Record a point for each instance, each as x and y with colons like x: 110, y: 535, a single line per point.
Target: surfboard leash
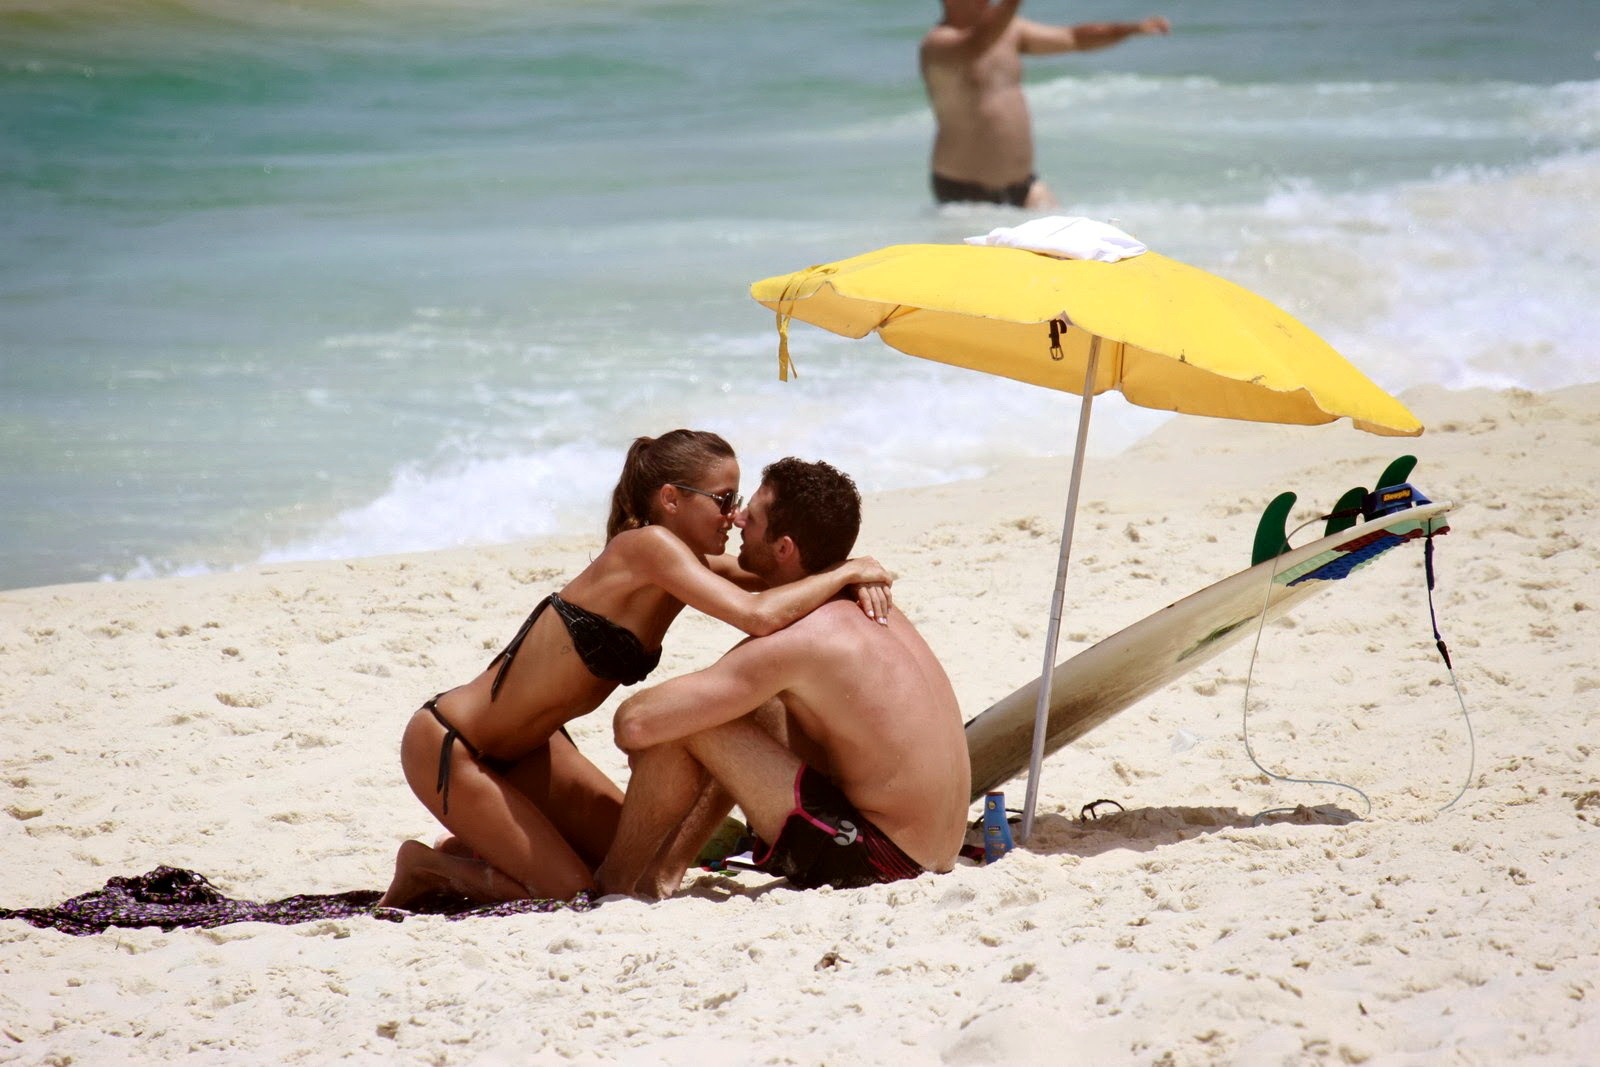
x: 1249, y: 675
x: 1439, y: 643
x: 1444, y: 654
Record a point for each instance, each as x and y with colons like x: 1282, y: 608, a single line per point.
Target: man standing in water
x: 839, y: 737
x: 972, y: 67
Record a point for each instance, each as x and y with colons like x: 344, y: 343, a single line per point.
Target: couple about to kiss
x: 831, y: 725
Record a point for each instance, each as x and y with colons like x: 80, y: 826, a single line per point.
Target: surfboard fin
x: 1395, y: 473
x: 1271, y: 536
x: 1347, y: 512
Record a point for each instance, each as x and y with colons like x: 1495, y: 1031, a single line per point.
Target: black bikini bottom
x: 451, y: 736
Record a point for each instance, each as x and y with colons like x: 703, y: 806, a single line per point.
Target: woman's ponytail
x: 630, y: 500
x: 676, y: 456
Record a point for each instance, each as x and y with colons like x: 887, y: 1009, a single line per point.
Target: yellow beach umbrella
x: 1166, y: 335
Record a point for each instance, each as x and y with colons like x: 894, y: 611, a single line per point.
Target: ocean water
x: 313, y: 280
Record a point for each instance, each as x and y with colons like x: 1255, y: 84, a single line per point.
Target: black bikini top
x: 611, y: 652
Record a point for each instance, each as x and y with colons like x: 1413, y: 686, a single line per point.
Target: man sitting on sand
x: 839, y: 737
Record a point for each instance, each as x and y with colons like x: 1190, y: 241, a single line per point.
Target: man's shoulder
x: 839, y: 615
x: 836, y: 617
x: 842, y: 624
x: 814, y: 643
x: 840, y: 609
x: 838, y: 627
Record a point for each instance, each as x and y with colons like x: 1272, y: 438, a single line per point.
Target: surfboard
x: 1101, y: 681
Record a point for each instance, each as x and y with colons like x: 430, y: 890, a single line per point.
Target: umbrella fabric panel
x: 1185, y: 340
x: 1022, y: 352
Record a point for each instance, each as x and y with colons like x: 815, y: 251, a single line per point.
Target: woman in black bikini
x: 529, y: 815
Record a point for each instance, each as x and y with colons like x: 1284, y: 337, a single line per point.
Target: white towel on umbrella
x: 1066, y: 237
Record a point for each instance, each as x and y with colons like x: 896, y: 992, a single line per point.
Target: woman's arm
x: 874, y: 598
x: 659, y: 557
x: 728, y: 567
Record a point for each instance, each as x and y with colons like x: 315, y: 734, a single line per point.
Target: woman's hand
x: 875, y: 600
x: 871, y: 583
x: 864, y: 570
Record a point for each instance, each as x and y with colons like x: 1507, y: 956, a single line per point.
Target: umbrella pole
x: 1041, y: 714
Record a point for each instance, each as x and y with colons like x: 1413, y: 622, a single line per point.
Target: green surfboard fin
x: 1271, y: 540
x: 1396, y: 473
x: 1347, y: 512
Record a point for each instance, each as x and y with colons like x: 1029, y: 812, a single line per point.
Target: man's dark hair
x: 818, y: 506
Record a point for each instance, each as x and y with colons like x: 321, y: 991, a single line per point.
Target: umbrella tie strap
x: 785, y: 364
x: 786, y: 302
x: 1056, y: 327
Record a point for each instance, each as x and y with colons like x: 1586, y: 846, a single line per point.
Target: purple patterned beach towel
x: 171, y: 897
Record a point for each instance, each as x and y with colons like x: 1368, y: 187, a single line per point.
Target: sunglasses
x: 727, y: 502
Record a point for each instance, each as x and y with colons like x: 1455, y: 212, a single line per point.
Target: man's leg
x: 673, y: 805
x: 663, y: 790
x: 665, y: 874
x: 756, y: 770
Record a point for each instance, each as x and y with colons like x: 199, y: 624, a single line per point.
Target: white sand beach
x: 246, y: 726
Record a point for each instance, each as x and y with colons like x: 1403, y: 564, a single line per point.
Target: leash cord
x: 1444, y: 654
x: 1266, y: 601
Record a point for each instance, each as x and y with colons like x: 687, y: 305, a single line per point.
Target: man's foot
x: 608, y: 884
x: 663, y: 886
x: 646, y: 885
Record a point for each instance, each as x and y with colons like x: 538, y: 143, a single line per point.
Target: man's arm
x: 1040, y: 39
x: 749, y: 675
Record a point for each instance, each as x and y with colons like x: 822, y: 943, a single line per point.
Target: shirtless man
x: 972, y: 67
x: 839, y: 737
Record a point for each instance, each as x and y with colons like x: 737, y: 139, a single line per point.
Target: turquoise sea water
x: 309, y: 280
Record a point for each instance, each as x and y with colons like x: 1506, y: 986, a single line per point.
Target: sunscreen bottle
x: 996, y: 830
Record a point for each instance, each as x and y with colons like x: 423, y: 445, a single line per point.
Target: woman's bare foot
x: 451, y: 845
x: 411, y: 880
x: 420, y: 871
